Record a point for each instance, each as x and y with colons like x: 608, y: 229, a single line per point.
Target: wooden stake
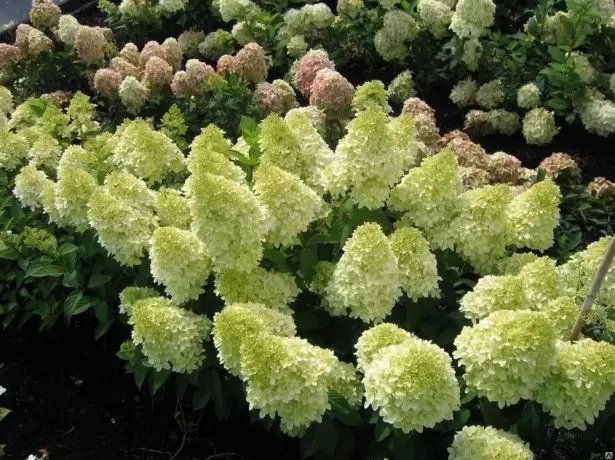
x: 593, y: 290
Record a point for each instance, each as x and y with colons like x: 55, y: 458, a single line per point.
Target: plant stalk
x: 605, y: 263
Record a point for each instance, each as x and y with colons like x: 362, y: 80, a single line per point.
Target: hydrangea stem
x: 605, y: 263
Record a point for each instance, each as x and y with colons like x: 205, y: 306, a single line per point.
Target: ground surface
x: 70, y: 396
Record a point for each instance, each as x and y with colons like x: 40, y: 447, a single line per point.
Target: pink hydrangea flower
x: 307, y: 68
x: 107, y: 82
x: 331, y: 92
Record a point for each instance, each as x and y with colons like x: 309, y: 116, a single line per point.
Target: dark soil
x: 70, y: 397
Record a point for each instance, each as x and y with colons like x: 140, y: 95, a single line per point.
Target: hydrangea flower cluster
x: 534, y: 214
x: 107, y: 82
x: 44, y: 14
x: 539, y: 126
x: 171, y: 337
x: 366, y: 280
x: 90, y: 44
x: 472, y: 18
x: 463, y: 93
x: 281, y: 147
x: 239, y: 323
x: 560, y: 164
x: 482, y: 229
x: 401, y: 87
x: 398, y: 28
x: 411, y: 384
x: 598, y: 116
x: 179, y: 263
x: 217, y: 44
x: 133, y: 94
x: 122, y: 214
x: 249, y: 63
x: 292, y: 205
x: 278, y: 97
x: 507, y: 355
x: 601, y: 187
x: 493, y: 293
x: 332, y: 93
x: 435, y: 15
x: 145, y: 152
x: 274, y: 289
x: 289, y: 377
x: 429, y: 194
x: 371, y: 93
x: 307, y: 68
x: 581, y: 384
x: 133, y: 294
x: 490, y: 95
x: 308, y: 18
x: 528, y: 96
x: 228, y: 219
x: 172, y: 209
x: 417, y: 265
x: 485, y: 443
x: 367, y: 161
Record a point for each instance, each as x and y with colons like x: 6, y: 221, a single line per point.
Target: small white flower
x: 2, y: 389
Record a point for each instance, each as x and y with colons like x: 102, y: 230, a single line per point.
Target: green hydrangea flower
x: 488, y: 443
x: 171, y: 337
x: 366, y: 280
x: 507, y: 355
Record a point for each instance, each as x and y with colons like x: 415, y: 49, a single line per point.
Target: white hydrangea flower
x: 581, y: 383
x: 418, y: 266
x: 273, y: 289
x: 366, y: 280
x: 528, y: 96
x: 472, y: 17
x: 539, y: 126
x: 507, y: 355
x: 291, y: 204
x: 239, y: 323
x: 171, y: 337
x: 412, y: 385
x: 179, y: 263
x: 485, y: 442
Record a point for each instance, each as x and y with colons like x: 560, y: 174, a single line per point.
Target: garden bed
x: 253, y: 229
x: 70, y: 397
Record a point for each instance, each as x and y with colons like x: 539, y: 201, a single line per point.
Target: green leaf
x: 319, y: 238
x: 308, y: 445
x: 4, y: 412
x: 250, y: 131
x: 308, y: 258
x: 98, y: 279
x: 69, y: 260
x: 558, y: 104
x: 38, y: 106
x: 72, y: 279
x: 342, y: 410
x: 276, y: 256
x: 140, y: 373
x: 159, y: 378
x: 532, y: 27
x: 557, y: 54
x: 382, y: 430
x: 105, y: 319
x: 66, y: 248
x: 327, y: 436
x: 216, y: 386
x: 460, y: 420
x: 200, y: 399
x: 42, y: 269
x: 72, y: 301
